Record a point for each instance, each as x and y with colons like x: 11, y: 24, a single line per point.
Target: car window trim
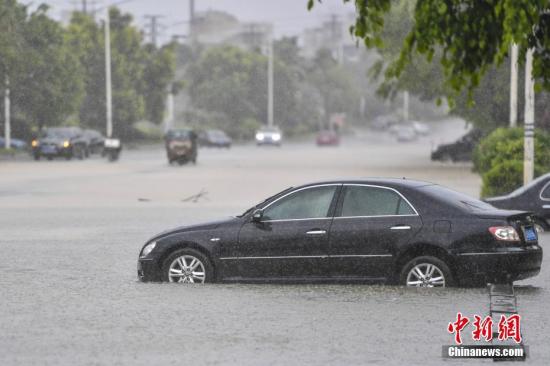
x: 340, y: 204
x: 542, y: 190
x: 330, y: 214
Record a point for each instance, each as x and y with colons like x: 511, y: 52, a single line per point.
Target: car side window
x: 546, y: 192
x: 305, y: 204
x: 373, y: 201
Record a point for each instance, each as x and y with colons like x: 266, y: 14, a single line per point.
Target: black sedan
x: 377, y: 230
x: 534, y: 197
x: 66, y: 142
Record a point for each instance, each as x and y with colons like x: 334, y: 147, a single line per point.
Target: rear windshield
x: 456, y: 199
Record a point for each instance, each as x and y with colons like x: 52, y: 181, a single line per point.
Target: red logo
x: 508, y: 327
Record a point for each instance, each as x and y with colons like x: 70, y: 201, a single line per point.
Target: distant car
x: 406, y: 133
x: 461, y: 150
x: 420, y: 128
x: 269, y: 136
x: 328, y: 138
x: 398, y: 231
x: 384, y: 122
x: 95, y: 141
x: 14, y: 144
x: 214, y: 138
x: 66, y: 142
x: 534, y: 197
x: 181, y: 146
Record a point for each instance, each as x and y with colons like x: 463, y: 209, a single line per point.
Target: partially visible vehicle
x: 420, y: 128
x: 405, y: 133
x: 181, y: 146
x: 533, y: 197
x: 399, y: 231
x: 111, y: 148
x: 214, y: 138
x: 383, y: 122
x: 461, y: 150
x: 327, y: 138
x: 64, y: 142
x: 269, y: 136
x: 95, y: 140
x: 14, y: 144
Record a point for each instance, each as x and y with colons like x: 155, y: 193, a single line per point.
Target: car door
x: 291, y: 240
x: 370, y: 222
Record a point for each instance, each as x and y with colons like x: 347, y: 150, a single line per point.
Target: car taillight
x: 504, y: 233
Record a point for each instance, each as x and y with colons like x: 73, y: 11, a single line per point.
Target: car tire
x: 36, y: 157
x: 187, y: 255
x: 431, y: 268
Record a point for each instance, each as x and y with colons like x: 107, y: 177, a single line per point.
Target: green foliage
x: 471, y: 35
x: 498, y: 158
x: 57, y: 74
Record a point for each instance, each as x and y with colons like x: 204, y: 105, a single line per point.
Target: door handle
x: 400, y: 227
x: 316, y: 232
x: 545, y: 206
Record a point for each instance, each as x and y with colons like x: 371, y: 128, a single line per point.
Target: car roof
x: 390, y: 182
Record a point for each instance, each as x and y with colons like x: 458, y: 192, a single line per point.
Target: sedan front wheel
x: 187, y: 266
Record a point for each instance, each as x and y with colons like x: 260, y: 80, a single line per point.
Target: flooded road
x: 71, y: 232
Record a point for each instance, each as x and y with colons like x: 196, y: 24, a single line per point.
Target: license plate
x: 530, y: 233
x: 48, y: 149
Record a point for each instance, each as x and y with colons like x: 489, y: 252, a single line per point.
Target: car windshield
x: 178, y: 134
x: 269, y: 130
x: 59, y: 132
x: 265, y: 200
x: 456, y: 199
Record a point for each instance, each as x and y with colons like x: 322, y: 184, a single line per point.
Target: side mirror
x: 257, y: 216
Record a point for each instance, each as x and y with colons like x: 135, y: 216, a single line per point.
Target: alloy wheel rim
x: 425, y: 275
x: 186, y: 269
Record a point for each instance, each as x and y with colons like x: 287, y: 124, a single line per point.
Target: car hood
x: 53, y: 140
x: 197, y: 227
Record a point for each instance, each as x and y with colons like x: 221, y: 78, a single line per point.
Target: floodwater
x: 70, y: 233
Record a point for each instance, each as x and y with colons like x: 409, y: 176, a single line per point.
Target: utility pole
x: 406, y: 105
x: 169, y: 120
x: 514, y: 85
x: 154, y: 27
x: 108, y: 85
x: 191, y: 20
x: 529, y: 115
x: 7, y: 117
x: 270, y: 82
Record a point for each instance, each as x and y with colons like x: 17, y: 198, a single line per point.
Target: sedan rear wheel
x: 426, y: 271
x: 187, y: 266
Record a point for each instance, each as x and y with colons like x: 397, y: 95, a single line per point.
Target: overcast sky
x: 288, y: 16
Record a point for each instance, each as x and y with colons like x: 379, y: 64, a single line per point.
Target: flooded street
x: 71, y: 233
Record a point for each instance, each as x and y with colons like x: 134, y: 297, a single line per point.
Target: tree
x: 472, y: 36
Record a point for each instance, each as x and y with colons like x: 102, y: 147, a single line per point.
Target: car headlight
x: 35, y: 143
x: 66, y: 144
x: 276, y: 137
x: 148, y: 249
x: 259, y: 136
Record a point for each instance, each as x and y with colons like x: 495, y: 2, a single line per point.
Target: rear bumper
x: 147, y: 270
x: 510, y: 265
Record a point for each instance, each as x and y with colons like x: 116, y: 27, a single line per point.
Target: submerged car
x: 399, y: 231
x: 461, y: 150
x: 67, y: 142
x: 327, y: 138
x: 269, y: 136
x: 214, y: 138
x: 181, y: 146
x: 534, y: 197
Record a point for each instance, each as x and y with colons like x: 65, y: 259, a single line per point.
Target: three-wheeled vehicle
x: 181, y: 146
